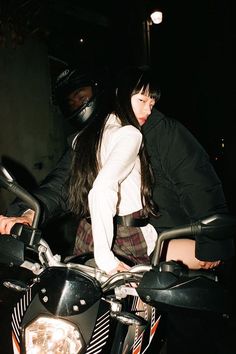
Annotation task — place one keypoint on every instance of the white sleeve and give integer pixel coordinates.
(103, 197)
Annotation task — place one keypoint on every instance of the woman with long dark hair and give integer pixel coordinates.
(111, 180)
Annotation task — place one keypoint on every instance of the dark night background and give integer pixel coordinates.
(193, 53)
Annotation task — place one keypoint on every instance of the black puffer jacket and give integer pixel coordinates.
(186, 184)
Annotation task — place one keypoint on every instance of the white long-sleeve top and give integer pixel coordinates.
(116, 189)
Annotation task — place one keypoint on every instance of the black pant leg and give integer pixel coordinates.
(193, 333)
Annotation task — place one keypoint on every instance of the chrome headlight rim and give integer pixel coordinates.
(45, 333)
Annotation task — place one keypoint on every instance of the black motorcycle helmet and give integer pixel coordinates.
(72, 81)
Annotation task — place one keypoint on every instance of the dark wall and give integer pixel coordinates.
(30, 138)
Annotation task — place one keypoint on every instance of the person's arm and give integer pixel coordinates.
(51, 195)
(199, 188)
(121, 155)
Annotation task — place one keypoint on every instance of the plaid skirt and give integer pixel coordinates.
(128, 242)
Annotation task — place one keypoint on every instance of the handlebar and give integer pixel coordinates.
(8, 182)
(178, 232)
(217, 226)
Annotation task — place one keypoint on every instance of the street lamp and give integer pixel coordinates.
(155, 18)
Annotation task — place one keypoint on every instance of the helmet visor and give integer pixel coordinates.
(74, 98)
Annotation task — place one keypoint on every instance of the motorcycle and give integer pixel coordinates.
(69, 306)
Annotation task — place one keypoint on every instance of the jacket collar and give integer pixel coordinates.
(155, 118)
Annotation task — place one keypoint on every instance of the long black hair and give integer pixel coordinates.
(130, 81)
(85, 164)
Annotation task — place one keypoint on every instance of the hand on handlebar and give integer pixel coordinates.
(122, 267)
(208, 265)
(7, 222)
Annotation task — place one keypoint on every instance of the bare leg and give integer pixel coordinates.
(183, 250)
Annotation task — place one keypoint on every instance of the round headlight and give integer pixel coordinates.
(51, 336)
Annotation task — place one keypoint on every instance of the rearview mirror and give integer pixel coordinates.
(6, 174)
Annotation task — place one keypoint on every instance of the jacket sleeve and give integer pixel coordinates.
(199, 189)
(51, 193)
(188, 167)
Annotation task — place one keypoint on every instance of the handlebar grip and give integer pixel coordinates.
(16, 229)
(26, 234)
(209, 274)
(180, 270)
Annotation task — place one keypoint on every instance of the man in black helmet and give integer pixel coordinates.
(80, 96)
(77, 94)
(72, 97)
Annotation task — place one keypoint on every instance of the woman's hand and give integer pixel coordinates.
(208, 265)
(7, 222)
(122, 267)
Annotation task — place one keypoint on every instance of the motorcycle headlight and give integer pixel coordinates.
(51, 336)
